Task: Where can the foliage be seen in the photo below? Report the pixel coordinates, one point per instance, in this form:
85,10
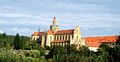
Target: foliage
11,41
21,56
6,40
30,51
17,42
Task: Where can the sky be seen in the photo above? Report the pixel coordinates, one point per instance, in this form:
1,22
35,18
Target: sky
95,17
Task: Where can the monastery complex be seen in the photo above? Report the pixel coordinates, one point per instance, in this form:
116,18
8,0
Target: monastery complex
56,36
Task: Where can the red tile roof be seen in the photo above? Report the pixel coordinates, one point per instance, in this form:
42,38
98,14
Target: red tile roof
96,41
37,33
65,31
50,32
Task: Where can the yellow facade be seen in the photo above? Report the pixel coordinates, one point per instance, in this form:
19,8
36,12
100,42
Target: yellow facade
55,36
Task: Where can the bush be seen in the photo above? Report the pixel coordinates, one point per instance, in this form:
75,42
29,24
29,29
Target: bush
21,56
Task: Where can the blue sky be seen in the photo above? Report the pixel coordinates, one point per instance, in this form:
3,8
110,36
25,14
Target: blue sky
95,17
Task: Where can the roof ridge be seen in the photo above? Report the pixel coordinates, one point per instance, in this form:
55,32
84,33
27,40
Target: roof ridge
66,29
100,36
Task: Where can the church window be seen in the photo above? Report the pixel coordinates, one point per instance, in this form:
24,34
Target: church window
66,37
63,44
57,37
63,37
60,37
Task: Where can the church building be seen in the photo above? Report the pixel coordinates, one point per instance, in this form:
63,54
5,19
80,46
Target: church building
56,36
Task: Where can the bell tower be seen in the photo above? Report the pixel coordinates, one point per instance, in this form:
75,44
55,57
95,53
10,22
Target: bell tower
54,20
54,26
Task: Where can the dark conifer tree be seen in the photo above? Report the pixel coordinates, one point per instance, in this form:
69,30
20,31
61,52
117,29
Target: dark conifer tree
17,43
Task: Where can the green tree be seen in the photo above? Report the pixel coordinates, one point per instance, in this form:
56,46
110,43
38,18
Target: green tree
8,46
17,42
4,35
118,40
103,53
114,54
23,42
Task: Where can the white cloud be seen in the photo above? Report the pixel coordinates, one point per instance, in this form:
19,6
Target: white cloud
89,15
1,31
24,21
17,15
8,7
21,30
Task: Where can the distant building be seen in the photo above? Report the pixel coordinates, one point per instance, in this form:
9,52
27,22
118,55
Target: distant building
56,36
94,42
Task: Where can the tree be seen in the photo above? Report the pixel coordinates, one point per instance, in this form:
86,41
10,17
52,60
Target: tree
105,47
103,52
118,40
17,43
114,54
23,42
4,35
7,46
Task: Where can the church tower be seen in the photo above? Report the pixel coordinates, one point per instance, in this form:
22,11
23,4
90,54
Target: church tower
54,26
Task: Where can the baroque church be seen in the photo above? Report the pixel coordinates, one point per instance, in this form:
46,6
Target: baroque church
56,36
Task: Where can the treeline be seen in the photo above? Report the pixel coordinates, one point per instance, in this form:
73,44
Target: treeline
6,41
26,50
13,41
71,54
62,54
16,48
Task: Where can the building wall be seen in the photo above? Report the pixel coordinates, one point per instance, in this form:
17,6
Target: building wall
61,37
35,37
74,38
59,43
43,39
77,38
50,38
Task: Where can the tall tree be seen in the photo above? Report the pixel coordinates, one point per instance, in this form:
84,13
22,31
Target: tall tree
4,35
17,43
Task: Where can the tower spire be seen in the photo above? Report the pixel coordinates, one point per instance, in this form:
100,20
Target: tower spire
54,20
54,26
